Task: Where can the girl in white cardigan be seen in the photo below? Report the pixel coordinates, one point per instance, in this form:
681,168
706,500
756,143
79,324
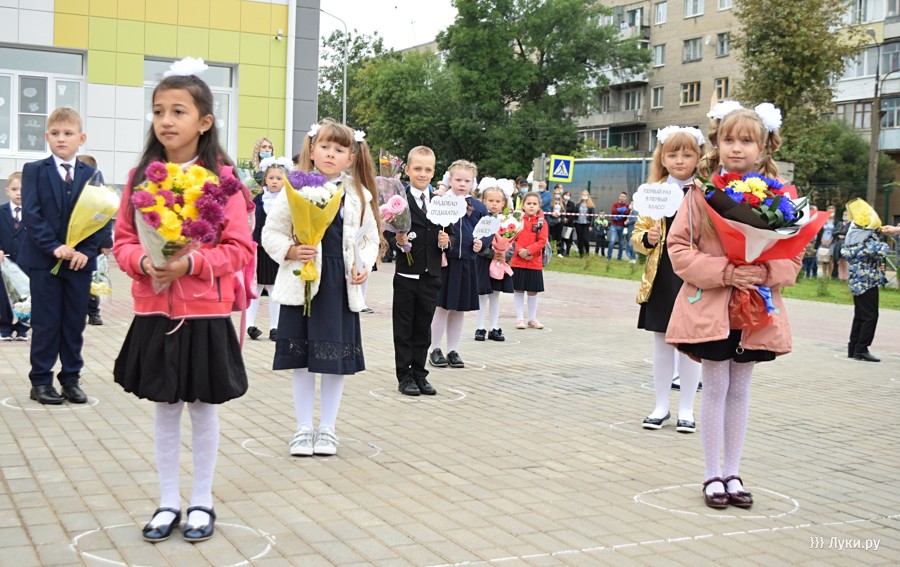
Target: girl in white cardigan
328,340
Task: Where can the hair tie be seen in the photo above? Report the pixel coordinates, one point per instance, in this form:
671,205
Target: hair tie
664,133
282,161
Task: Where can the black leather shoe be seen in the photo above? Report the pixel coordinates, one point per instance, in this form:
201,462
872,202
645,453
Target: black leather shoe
409,388
201,533
655,422
867,356
254,333
454,360
161,533
676,383
46,395
496,335
425,387
74,393
95,320
273,334
436,358
686,426
480,334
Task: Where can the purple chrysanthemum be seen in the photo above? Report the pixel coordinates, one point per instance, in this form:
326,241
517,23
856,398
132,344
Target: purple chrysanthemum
141,199
168,196
199,230
156,172
179,200
229,185
212,212
297,179
152,218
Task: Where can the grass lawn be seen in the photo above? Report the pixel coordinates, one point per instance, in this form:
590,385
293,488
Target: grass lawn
826,290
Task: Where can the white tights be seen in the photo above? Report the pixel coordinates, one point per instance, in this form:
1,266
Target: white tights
452,322
204,447
519,303
665,357
331,390
724,408
492,299
253,308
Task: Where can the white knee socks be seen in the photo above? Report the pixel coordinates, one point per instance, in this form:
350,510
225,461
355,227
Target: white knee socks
662,374
438,325
253,308
167,441
332,389
723,416
205,449
454,329
274,312
519,304
482,310
304,387
689,373
532,307
495,310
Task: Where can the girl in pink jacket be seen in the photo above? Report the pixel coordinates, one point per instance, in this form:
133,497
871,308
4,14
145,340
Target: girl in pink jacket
700,324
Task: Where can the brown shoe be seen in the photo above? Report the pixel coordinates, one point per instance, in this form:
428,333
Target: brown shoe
717,500
741,499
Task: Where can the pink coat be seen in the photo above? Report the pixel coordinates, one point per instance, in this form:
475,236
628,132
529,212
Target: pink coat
702,264
208,290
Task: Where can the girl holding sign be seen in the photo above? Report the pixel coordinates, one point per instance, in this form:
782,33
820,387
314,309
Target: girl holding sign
459,283
490,288
674,161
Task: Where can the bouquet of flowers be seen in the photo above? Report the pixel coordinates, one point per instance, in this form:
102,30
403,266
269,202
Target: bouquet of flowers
758,219
177,210
95,206
18,291
389,165
314,202
101,285
395,210
510,227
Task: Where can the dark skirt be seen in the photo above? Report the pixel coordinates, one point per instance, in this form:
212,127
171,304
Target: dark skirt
459,286
201,361
527,279
266,267
726,349
488,285
655,312
329,341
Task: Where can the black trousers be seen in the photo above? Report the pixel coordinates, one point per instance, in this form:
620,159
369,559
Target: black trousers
412,312
865,319
94,305
581,232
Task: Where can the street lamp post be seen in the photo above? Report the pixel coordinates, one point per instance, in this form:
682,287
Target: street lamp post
346,41
876,128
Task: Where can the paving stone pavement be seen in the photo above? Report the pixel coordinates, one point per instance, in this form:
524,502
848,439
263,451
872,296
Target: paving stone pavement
532,455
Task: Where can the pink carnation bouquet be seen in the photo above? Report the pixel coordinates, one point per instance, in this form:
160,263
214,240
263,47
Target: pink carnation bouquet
394,210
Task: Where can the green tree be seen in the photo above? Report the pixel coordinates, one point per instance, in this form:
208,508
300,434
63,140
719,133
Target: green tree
360,49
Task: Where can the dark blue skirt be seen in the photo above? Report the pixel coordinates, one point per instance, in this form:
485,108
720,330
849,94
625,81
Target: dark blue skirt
486,284
459,286
527,279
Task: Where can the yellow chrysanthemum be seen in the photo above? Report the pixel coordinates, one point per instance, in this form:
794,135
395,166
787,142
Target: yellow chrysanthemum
192,194
170,225
147,209
173,169
177,208
739,186
160,201
152,188
190,212
756,185
196,175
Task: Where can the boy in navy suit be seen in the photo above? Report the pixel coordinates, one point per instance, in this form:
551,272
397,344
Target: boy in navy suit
416,285
50,188
12,235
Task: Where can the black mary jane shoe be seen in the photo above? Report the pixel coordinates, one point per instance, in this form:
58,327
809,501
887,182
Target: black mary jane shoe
741,498
686,426
655,422
480,334
717,500
157,534
201,533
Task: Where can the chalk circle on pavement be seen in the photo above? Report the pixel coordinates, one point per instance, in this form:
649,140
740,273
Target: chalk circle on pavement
273,447
250,545
13,403
687,499
388,394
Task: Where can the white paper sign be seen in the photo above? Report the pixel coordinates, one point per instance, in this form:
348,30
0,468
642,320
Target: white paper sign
658,200
445,210
487,226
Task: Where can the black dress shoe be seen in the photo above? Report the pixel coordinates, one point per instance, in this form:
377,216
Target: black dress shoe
454,360
95,320
425,387
496,335
480,334
161,533
655,422
200,533
46,395
686,426
273,334
436,358
867,356
409,388
74,393
254,333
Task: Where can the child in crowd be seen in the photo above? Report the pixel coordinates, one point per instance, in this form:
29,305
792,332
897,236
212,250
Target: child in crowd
12,237
601,229
700,324
527,262
50,189
674,161
274,172
584,220
182,348
105,248
459,282
489,289
417,283
327,340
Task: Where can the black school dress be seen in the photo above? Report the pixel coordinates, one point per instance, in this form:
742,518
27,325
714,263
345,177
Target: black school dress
330,340
655,312
266,267
486,284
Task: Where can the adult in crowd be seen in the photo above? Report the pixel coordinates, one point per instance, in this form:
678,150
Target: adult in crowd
568,230
262,149
825,246
521,190
619,211
546,196
555,219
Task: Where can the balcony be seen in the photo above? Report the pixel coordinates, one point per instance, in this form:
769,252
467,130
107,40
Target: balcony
624,79
613,119
632,32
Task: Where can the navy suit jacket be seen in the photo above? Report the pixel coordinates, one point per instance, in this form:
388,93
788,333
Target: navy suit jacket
11,238
45,213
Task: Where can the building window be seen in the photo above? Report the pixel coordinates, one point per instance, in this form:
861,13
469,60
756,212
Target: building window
632,99
600,135
693,8
725,4
32,84
862,115
692,50
690,93
659,55
844,112
863,65
890,57
631,140
721,87
865,11
635,18
891,109
661,9
723,44
220,79
604,103
893,8
657,97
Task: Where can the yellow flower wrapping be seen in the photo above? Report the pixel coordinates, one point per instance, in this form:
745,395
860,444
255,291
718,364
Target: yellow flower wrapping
310,223
95,207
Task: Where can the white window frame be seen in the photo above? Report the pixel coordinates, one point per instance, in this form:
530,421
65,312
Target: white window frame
725,4
661,13
693,8
659,55
12,106
632,99
687,89
601,135
723,44
891,109
893,9
604,103
637,139
657,97
692,50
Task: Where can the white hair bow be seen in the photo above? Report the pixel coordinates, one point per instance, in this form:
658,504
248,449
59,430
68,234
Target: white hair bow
186,67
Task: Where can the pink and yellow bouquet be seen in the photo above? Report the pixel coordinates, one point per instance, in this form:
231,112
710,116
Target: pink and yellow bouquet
179,209
510,227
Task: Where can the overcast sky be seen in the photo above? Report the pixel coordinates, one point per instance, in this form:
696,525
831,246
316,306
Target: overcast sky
402,23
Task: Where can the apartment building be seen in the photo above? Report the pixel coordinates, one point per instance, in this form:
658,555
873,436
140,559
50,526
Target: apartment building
691,60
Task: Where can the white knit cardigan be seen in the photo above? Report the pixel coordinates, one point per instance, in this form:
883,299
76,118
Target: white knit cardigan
277,238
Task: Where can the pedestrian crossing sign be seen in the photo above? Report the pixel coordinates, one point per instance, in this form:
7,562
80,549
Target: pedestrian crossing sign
561,168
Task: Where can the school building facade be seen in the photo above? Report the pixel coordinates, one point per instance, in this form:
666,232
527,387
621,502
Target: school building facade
103,58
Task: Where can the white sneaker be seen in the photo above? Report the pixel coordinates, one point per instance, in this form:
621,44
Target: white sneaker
302,443
326,442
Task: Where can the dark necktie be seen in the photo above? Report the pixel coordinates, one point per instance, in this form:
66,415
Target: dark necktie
68,168
17,216
424,206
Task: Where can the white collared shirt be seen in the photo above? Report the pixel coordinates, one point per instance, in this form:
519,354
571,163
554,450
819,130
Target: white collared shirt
418,194
12,210
59,168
